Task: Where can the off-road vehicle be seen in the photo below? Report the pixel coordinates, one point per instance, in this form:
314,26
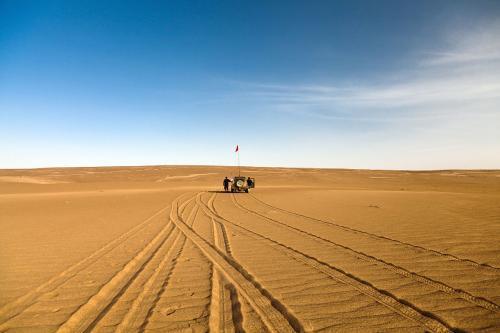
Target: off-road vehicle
242,184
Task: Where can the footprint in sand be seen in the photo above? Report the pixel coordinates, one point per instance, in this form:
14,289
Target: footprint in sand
167,311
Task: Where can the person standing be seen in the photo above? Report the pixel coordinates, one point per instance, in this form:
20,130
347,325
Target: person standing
226,182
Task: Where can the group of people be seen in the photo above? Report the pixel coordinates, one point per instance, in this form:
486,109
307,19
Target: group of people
226,182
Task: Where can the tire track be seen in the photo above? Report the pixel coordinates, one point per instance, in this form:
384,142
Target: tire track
380,237
141,309
250,322
399,306
158,266
17,306
89,314
221,306
211,202
478,301
226,309
168,251
227,252
272,318
184,304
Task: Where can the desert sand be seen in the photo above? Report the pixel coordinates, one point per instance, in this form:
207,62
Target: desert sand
161,249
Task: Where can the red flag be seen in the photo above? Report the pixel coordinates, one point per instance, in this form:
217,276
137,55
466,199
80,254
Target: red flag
237,148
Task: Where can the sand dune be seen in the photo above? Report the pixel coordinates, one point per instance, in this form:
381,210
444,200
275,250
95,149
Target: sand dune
28,180
117,250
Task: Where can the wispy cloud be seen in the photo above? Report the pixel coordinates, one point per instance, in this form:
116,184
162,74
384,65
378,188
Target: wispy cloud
480,45
462,80
489,53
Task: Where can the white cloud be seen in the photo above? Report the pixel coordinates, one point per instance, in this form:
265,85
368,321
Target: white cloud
461,80
443,112
480,45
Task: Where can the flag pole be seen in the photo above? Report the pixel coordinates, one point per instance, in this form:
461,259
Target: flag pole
237,151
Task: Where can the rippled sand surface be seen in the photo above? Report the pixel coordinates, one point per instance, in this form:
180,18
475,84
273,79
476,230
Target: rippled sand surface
162,249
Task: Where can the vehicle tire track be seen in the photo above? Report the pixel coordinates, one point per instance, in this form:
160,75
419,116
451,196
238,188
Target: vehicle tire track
272,318
91,312
147,273
249,321
399,306
380,237
182,257
88,313
221,305
211,202
136,318
226,308
17,306
479,301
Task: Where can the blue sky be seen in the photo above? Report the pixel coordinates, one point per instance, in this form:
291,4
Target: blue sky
355,84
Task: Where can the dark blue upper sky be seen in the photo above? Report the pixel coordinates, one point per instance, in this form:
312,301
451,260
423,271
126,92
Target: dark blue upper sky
149,82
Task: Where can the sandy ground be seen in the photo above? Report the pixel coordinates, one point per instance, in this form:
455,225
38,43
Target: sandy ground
160,249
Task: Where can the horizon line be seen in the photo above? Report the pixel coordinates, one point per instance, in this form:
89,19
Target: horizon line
243,166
